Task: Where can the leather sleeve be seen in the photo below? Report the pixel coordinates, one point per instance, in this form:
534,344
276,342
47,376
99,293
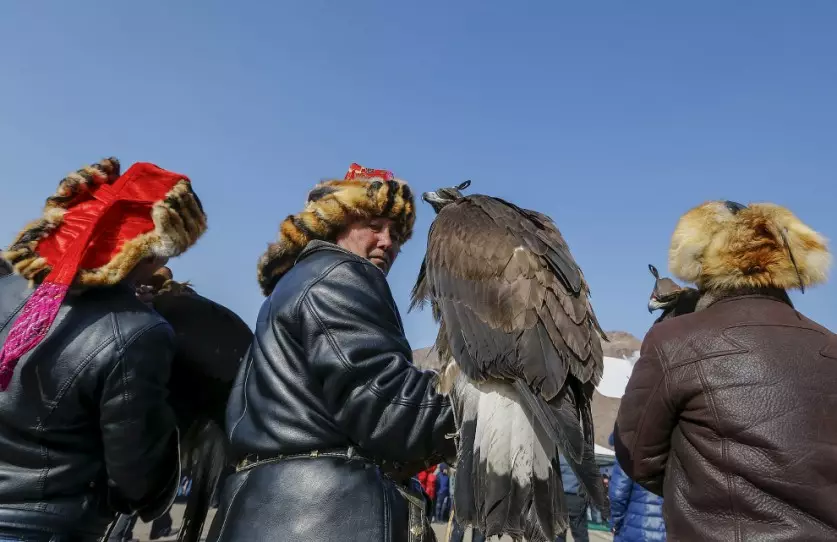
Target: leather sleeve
139,433
619,495
646,420
385,404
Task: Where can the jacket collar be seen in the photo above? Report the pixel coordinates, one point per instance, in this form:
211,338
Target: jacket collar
318,246
711,297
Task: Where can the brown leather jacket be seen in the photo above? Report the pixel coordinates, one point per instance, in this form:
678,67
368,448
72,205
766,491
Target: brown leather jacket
731,415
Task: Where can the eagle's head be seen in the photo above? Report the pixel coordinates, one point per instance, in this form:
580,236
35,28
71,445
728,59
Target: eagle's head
665,293
444,196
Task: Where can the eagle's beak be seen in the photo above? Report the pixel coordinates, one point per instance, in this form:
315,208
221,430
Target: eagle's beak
654,305
430,197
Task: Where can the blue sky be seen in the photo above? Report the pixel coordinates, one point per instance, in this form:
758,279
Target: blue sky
613,117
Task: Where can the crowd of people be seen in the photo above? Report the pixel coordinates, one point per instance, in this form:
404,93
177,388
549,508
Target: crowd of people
436,483
333,434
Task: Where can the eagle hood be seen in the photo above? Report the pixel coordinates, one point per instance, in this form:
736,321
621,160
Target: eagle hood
723,245
332,204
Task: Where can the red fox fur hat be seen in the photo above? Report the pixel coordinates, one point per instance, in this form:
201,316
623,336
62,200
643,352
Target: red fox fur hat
331,205
94,231
724,245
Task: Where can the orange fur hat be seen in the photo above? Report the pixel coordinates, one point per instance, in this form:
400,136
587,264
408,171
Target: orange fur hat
331,205
726,245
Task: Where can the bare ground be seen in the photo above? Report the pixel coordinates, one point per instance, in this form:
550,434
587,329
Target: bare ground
141,530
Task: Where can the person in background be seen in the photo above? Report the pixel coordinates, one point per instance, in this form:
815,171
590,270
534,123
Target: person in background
594,513
86,430
728,412
606,484
636,514
576,505
427,478
443,495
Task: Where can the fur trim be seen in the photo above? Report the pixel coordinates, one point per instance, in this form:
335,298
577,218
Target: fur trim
331,205
179,220
724,245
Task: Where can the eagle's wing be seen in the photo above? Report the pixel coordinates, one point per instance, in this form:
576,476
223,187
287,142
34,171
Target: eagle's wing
513,305
210,342
503,281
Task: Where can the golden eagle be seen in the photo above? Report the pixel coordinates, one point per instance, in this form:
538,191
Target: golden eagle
670,297
521,354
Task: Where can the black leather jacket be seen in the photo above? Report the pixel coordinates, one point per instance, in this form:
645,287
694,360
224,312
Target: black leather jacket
329,368
85,428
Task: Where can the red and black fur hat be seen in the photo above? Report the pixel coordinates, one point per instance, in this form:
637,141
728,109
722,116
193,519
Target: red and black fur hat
93,231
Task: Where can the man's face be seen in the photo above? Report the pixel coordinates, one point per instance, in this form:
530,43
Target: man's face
374,239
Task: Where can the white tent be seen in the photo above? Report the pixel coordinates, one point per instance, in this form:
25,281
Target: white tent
617,372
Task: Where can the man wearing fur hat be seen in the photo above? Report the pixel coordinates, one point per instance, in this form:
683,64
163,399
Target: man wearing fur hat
729,410
85,426
328,402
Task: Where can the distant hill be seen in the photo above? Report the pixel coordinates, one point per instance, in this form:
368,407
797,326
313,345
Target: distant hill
621,344
605,407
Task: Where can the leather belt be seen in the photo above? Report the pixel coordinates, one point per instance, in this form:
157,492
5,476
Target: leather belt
254,460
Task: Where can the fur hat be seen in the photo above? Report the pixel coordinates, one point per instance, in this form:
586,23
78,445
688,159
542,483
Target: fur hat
331,205
725,245
94,231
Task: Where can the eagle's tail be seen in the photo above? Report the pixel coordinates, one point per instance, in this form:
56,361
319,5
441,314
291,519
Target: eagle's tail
507,477
568,421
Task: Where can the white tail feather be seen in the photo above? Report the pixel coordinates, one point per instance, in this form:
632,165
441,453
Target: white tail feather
505,436
511,467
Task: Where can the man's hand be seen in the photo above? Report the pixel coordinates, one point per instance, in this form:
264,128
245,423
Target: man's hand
145,293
